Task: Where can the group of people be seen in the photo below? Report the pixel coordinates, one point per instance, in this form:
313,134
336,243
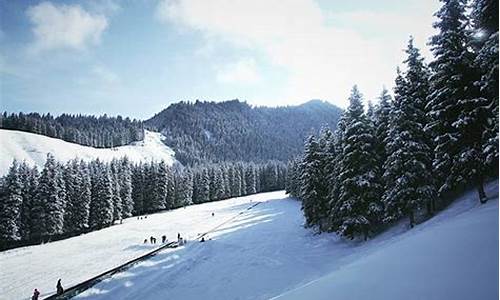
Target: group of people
152,239
59,289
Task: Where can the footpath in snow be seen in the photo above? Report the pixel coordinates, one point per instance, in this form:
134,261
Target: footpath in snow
33,149
265,252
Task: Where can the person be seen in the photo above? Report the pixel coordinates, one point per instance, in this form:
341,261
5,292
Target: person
202,239
36,293
213,214
163,239
145,241
59,287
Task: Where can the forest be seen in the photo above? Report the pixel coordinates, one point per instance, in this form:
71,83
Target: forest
235,131
99,132
68,199
407,155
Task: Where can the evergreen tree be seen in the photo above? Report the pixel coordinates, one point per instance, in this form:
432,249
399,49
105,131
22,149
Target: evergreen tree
458,115
101,206
29,179
408,169
11,202
314,191
48,210
250,179
360,188
138,189
485,19
125,180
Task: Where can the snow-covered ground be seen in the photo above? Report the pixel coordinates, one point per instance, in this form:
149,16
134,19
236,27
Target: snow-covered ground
33,149
265,252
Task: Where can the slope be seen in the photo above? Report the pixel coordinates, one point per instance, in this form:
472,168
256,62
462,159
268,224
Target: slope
33,148
266,251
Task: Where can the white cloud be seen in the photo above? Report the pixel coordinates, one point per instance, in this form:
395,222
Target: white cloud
243,71
64,26
323,59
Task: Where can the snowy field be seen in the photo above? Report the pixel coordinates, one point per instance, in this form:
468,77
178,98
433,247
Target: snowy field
265,252
33,149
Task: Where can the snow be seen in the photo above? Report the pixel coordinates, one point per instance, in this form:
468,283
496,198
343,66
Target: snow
452,256
33,149
265,252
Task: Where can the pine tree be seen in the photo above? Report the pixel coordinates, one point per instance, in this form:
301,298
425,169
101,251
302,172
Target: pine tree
250,179
381,123
314,191
11,202
457,113
125,180
101,206
48,210
360,190
485,19
408,168
29,179
138,189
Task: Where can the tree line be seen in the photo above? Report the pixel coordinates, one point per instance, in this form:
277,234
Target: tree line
77,197
438,135
99,132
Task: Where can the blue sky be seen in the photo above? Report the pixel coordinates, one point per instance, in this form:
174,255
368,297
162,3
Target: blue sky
135,57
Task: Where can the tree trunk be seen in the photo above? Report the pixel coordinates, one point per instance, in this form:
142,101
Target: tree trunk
411,215
480,190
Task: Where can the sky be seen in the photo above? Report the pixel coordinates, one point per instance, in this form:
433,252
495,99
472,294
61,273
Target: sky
135,57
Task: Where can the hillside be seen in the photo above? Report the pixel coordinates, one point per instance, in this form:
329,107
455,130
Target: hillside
266,252
236,131
33,148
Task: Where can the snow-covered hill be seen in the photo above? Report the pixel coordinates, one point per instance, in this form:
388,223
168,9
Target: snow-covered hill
265,252
33,148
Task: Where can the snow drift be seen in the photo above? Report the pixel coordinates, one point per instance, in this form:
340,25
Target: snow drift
33,149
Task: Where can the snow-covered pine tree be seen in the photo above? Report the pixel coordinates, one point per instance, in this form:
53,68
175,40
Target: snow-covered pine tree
11,202
241,173
48,209
457,112
115,186
73,183
314,190
101,206
485,35
138,189
334,184
250,179
29,179
360,189
125,180
381,123
160,187
408,168
204,186
170,198
234,181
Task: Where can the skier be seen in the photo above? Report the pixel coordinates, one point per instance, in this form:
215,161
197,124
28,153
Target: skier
59,287
145,241
213,214
163,239
36,293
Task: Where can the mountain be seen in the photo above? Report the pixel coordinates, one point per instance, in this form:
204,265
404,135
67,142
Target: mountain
235,131
33,149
